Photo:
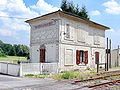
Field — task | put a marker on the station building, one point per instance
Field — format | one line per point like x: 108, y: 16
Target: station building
x: 66, y: 39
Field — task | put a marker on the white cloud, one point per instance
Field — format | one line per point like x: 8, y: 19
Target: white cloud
x: 95, y: 13
x: 6, y: 33
x: 112, y: 7
x: 44, y: 7
x: 15, y: 28
x: 2, y: 2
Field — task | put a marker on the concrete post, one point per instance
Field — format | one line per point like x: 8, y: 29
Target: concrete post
x: 20, y: 69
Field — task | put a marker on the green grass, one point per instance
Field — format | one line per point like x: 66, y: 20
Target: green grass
x: 12, y: 58
x: 72, y: 75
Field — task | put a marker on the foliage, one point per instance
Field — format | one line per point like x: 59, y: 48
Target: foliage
x: 73, y: 74
x: 13, y: 50
x: 2, y: 53
x: 68, y: 75
x: 68, y: 6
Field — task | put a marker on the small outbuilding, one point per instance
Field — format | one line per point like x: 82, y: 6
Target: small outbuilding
x: 67, y: 40
x: 115, y: 58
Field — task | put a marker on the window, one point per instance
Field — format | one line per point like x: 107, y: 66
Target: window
x: 96, y: 40
x: 81, y: 57
x: 81, y: 35
x: 67, y: 31
x: 69, y: 57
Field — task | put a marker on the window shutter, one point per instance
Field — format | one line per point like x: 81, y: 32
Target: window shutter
x: 96, y: 57
x: 77, y: 57
x: 86, y: 57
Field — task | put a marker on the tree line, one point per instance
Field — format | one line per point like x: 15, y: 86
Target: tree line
x: 13, y: 50
x: 68, y: 6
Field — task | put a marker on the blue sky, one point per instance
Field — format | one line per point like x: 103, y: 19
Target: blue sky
x: 16, y: 31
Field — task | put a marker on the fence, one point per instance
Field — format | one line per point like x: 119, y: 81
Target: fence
x: 9, y: 68
x: 38, y: 68
x: 28, y: 68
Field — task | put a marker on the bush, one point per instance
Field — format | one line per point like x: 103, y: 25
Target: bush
x: 71, y: 75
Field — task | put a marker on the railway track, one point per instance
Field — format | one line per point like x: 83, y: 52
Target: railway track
x: 104, y: 84
x: 106, y: 80
x: 96, y: 78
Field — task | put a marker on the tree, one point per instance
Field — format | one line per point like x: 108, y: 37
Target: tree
x: 71, y: 8
x: 83, y: 13
x: 2, y: 53
x: 13, y: 50
x: 1, y: 42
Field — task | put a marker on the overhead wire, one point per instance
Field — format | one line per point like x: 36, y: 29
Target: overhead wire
x: 13, y: 17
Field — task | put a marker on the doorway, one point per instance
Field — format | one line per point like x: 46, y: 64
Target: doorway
x: 42, y: 54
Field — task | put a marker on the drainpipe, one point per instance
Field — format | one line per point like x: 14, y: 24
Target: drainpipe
x: 110, y: 55
x: 107, y: 55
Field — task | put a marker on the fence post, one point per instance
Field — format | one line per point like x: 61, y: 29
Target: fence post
x: 7, y: 69
x: 41, y: 67
x: 20, y: 69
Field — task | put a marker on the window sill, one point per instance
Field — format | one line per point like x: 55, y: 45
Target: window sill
x: 81, y: 41
x: 68, y: 39
x: 68, y: 65
x: 96, y: 44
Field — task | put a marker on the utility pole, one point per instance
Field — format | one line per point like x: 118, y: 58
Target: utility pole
x: 110, y: 54
x: 107, y: 55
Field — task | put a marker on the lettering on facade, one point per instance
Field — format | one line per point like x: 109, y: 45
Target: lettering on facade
x: 44, y: 25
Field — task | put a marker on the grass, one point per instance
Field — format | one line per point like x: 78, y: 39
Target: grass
x: 44, y: 75
x: 12, y: 59
x: 72, y: 75
x: 67, y: 75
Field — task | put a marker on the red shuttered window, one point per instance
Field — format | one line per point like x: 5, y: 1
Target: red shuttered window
x: 81, y: 56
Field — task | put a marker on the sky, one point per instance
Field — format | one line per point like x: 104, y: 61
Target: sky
x: 13, y: 13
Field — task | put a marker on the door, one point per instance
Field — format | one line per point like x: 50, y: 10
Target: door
x: 42, y: 55
x: 96, y: 57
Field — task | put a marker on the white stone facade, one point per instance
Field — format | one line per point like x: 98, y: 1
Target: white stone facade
x: 62, y: 37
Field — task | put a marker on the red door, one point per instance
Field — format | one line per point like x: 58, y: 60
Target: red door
x: 96, y: 57
x: 42, y: 55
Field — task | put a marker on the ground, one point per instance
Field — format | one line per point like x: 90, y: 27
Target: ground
x: 23, y: 83
x: 17, y: 83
